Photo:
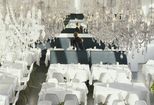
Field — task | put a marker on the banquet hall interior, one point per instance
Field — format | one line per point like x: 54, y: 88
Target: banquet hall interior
x: 42, y: 62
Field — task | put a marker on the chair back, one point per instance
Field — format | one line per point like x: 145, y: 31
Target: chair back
x: 52, y: 80
x: 140, y: 102
x: 69, y: 102
x: 58, y: 76
x: 131, y: 99
x: 44, y: 103
x: 53, y: 98
x: 110, y: 98
x: 118, y: 102
x: 72, y: 97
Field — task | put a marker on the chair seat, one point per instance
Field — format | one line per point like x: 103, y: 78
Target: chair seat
x: 140, y: 102
x: 44, y: 103
x: 70, y: 102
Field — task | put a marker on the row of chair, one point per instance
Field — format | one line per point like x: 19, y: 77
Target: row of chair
x: 52, y: 99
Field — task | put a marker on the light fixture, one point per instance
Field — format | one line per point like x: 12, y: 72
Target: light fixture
x: 23, y: 24
x: 127, y: 26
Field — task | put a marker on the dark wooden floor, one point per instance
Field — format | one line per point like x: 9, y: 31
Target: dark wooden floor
x: 29, y: 96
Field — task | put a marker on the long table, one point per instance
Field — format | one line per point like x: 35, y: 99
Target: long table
x: 115, y: 88
x: 85, y: 57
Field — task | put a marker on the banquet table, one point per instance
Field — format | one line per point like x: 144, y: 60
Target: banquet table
x: 8, y: 79
x: 16, y: 69
x: 16, y: 65
x: 48, y: 54
x: 148, y: 73
x: 14, y: 72
x: 104, y: 90
x: 4, y: 100
x: 71, y: 71
x: 113, y: 71
x: 79, y: 89
x: 44, y: 103
x: 72, y: 24
x: 7, y: 90
x: 29, y: 56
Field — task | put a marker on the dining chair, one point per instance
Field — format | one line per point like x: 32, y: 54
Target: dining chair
x: 70, y: 102
x: 44, y: 103
x: 58, y: 76
x: 72, y: 97
x: 131, y: 98
x: 53, y: 98
x: 140, y: 102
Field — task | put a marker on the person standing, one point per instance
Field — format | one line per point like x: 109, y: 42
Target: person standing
x: 77, y: 42
x: 79, y: 28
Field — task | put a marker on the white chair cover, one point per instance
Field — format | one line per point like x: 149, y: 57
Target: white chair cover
x: 150, y: 62
x: 111, y: 98
x: 72, y: 97
x: 4, y: 100
x: 70, y: 102
x: 131, y: 99
x: 44, y: 103
x: 118, y: 102
x: 122, y: 95
x: 122, y: 78
x: 52, y: 80
x: 58, y: 76
x: 100, y: 99
x: 48, y: 85
x: 53, y: 98
x: 140, y: 102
